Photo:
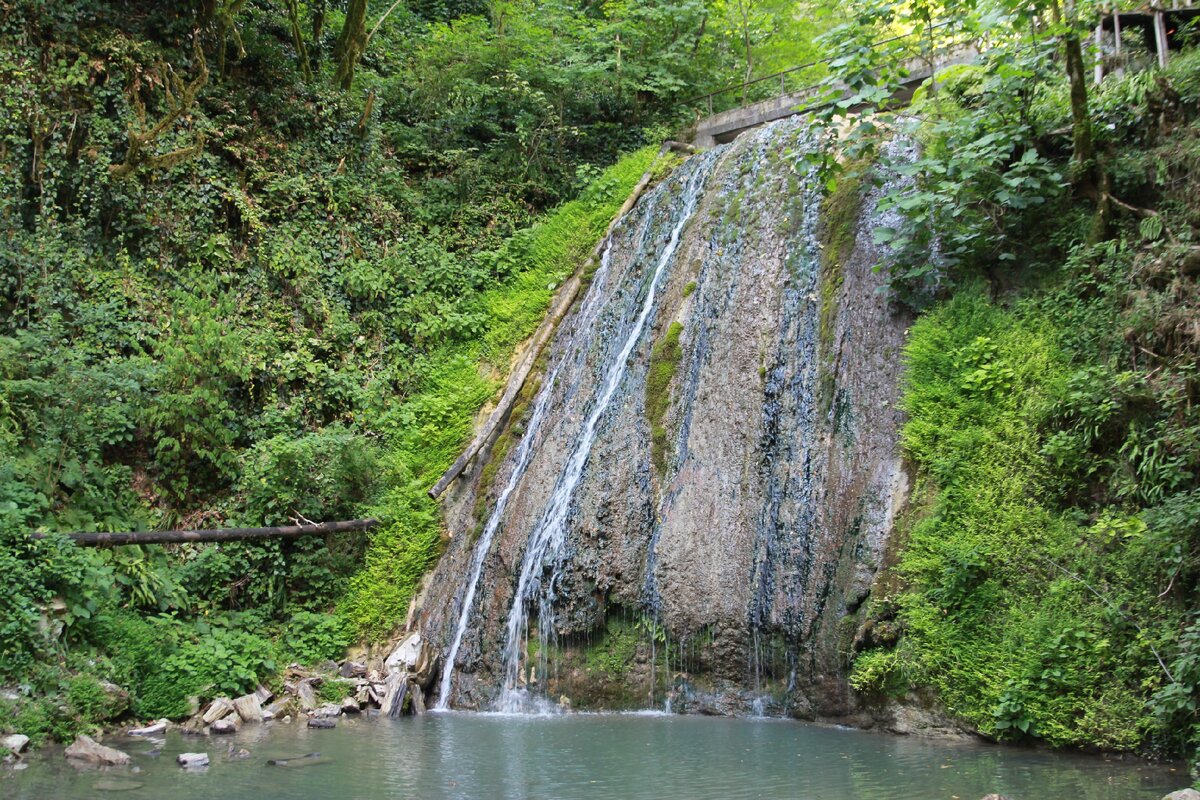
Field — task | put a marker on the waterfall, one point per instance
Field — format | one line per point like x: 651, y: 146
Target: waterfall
x: 546, y: 540
x: 524, y: 451
x: 729, y: 536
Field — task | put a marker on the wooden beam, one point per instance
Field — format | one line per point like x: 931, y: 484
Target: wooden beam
x: 218, y: 535
x: 566, y: 297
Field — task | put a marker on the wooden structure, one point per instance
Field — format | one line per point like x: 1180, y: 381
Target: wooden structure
x: 219, y: 535
x: 1159, y: 26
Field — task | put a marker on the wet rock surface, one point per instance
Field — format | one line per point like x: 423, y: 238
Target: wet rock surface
x: 85, y: 749
x: 739, y: 538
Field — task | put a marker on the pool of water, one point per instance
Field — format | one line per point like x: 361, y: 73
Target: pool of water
x: 587, y: 756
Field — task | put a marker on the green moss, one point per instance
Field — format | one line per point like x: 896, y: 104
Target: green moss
x: 687, y: 290
x: 839, y: 224
x: 615, y: 650
x: 664, y: 360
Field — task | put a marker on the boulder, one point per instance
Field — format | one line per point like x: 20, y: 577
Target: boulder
x: 15, y: 743
x: 152, y: 729
x: 396, y: 692
x: 414, y: 655
x: 1183, y: 794
x: 279, y: 708
x: 85, y: 748
x: 192, y: 759
x: 352, y: 669
x: 263, y: 694
x: 328, y: 710
x: 219, y: 708
x: 229, y: 724
x: 350, y: 706
x: 321, y: 723
x: 307, y: 694
x: 249, y: 708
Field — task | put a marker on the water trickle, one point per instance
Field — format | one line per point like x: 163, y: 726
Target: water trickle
x: 536, y: 581
x: 483, y: 546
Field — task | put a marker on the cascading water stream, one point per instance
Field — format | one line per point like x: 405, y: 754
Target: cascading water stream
x: 524, y: 451
x: 547, y: 538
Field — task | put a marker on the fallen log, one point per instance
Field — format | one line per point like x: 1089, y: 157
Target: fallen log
x: 218, y: 535
x: 566, y: 298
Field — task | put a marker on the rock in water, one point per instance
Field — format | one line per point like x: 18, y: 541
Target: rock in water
x: 1183, y: 794
x: 85, y: 748
x: 249, y: 708
x: 306, y: 760
x: 397, y: 685
x: 15, y: 743
x: 230, y: 724
x: 150, y: 730
x: 328, y: 710
x: 115, y: 785
x: 192, y: 759
x: 350, y: 706
x: 219, y: 708
x: 321, y: 723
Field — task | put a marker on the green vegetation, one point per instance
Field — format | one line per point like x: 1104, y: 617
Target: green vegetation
x: 664, y: 361
x: 1046, y: 585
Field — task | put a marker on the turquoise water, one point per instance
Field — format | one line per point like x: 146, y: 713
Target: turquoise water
x: 589, y: 756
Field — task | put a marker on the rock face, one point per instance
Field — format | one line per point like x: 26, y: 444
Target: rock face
x: 1183, y: 794
x: 702, y: 488
x: 85, y: 748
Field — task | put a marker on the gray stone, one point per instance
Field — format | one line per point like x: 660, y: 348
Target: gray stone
x: 219, y: 708
x: 85, y: 748
x: 350, y: 706
x: 352, y: 669
x: 328, y: 710
x: 321, y: 723
x: 192, y: 759
x: 15, y: 742
x: 151, y: 729
x: 230, y: 724
x: 307, y: 694
x: 1183, y: 794
x: 248, y: 708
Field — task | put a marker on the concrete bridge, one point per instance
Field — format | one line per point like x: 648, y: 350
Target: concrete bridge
x: 725, y: 126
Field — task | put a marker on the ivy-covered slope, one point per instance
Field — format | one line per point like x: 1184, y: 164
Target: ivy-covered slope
x: 1046, y: 578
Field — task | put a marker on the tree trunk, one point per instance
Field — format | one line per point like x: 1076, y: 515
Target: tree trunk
x: 350, y: 43
x: 221, y: 535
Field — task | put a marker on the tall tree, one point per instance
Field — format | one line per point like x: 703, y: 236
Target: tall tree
x: 351, y: 42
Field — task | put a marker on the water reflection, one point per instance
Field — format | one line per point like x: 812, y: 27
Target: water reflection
x: 591, y: 756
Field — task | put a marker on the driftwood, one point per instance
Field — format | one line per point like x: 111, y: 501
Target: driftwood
x: 222, y: 535
x: 566, y: 298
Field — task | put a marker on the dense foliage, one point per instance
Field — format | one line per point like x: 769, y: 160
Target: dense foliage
x: 1048, y: 578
